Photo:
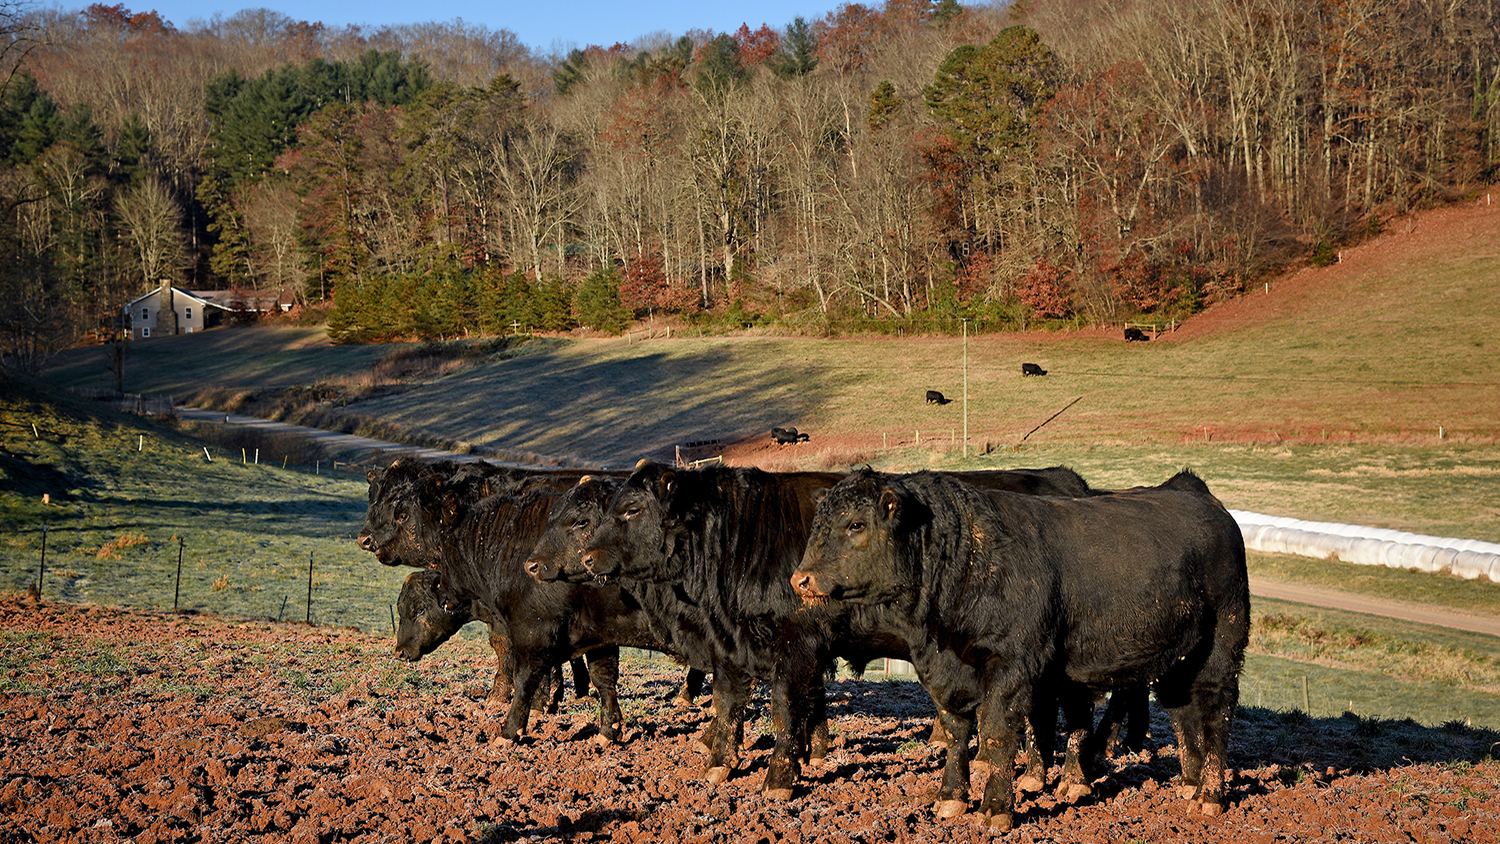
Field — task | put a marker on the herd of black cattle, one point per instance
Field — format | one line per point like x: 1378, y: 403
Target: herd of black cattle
x: 1014, y: 594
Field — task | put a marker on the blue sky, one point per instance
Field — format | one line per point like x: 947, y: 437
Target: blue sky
x: 542, y: 25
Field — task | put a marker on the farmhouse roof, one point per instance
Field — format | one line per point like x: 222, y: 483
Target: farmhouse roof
x: 231, y: 300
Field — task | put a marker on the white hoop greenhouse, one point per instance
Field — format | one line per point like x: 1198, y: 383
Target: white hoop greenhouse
x: 1466, y: 558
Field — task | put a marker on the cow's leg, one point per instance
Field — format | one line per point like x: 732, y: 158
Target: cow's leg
x: 604, y: 667
x: 818, y: 747
x: 692, y: 686
x: 1002, y: 718
x: 798, y: 712
x: 581, y: 675
x: 731, y: 696
x: 1123, y: 726
x: 1078, y: 715
x: 500, y: 689
x: 953, y: 794
x: 551, y: 691
x: 1041, y: 743
x: 531, y: 670
x: 1187, y: 723
x: 1214, y: 695
x: 1213, y: 787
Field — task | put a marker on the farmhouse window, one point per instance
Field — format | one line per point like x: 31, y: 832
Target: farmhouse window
x: 145, y: 314
x: 145, y: 332
x: 187, y: 313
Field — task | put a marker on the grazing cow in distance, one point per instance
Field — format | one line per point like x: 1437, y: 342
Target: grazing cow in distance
x: 1032, y: 369
x: 1008, y: 598
x: 1135, y: 335
x: 935, y: 397
x: 788, y: 436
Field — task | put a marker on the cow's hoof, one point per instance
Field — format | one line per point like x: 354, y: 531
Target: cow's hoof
x: 1187, y: 792
x: 701, y: 746
x: 779, y: 794
x: 717, y: 775
x: 951, y: 808
x: 1075, y: 791
x: 1211, y: 810
x: 1027, y: 782
x: 1000, y: 821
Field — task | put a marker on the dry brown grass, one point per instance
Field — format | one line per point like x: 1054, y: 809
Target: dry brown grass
x: 111, y: 549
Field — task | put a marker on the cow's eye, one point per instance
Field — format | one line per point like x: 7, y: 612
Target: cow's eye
x: 855, y: 527
x: 401, y: 516
x: 632, y: 511
x: 581, y: 524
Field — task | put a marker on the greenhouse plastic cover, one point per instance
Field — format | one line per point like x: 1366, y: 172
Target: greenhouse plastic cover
x: 1467, y: 558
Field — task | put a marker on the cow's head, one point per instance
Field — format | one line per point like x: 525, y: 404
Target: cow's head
x: 571, y: 524
x: 639, y: 529
x: 424, y: 621
x: 856, y: 550
x: 388, y: 515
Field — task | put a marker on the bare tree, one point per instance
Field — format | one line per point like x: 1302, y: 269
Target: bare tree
x: 536, y: 166
x: 151, y: 219
x: 19, y: 35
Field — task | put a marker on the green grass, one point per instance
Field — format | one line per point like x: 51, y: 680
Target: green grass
x: 1479, y: 596
x: 246, y: 532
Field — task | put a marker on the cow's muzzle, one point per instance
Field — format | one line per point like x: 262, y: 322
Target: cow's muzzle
x: 810, y: 589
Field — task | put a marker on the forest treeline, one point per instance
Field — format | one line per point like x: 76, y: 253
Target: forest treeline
x: 905, y: 165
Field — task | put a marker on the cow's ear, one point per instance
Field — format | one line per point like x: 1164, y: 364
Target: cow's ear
x: 642, y: 463
x: 585, y: 479
x: 888, y: 503
x: 820, y: 494
x: 433, y: 484
x: 450, y: 508
x: 370, y: 476
x: 666, y: 484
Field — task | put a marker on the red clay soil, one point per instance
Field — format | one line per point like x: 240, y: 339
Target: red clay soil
x: 123, y: 724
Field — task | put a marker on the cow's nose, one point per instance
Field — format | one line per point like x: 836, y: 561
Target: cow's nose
x: 534, y: 568
x: 589, y: 559
x: 367, y: 542
x: 805, y: 584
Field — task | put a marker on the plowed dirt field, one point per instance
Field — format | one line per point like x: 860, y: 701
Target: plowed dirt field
x: 124, y: 724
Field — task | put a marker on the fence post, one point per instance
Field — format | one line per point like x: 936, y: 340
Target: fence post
x: 42, y: 572
x: 309, y: 587
x: 177, y: 589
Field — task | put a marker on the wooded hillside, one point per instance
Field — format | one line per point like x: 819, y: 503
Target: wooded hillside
x: 890, y: 168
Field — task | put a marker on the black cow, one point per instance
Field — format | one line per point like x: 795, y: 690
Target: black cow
x: 1005, y: 598
x: 425, y: 623
x: 787, y: 436
x: 557, y: 555
x: 393, y: 494
x: 1135, y: 335
x: 481, y: 547
x: 1032, y: 369
x: 935, y: 397
x: 728, y: 540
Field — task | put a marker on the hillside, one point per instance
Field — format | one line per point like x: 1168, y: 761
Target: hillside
x: 1361, y: 392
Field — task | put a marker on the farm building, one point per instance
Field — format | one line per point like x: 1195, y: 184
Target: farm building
x: 169, y: 310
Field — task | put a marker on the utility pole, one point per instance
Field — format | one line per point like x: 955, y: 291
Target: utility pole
x: 966, y: 388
